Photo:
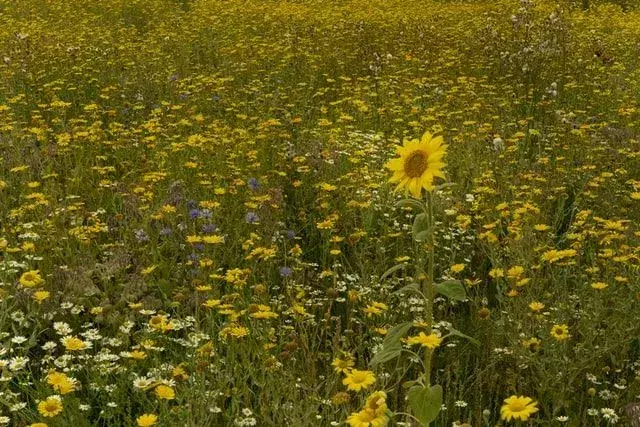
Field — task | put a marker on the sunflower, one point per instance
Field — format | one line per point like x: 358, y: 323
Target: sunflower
x: 419, y: 163
x: 518, y: 408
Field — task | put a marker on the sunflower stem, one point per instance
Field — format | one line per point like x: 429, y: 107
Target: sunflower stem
x: 428, y: 288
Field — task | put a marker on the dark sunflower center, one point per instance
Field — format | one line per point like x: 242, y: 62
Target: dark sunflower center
x: 416, y: 164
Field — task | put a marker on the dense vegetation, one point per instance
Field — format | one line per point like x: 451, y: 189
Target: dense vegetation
x: 196, y: 218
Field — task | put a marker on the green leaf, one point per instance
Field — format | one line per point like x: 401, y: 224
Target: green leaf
x: 392, y: 270
x: 456, y: 332
x: 411, y: 203
x: 423, y: 235
x: 421, y: 229
x: 386, y: 354
x: 396, y: 333
x: 425, y: 402
x: 408, y: 384
x: 453, y: 289
x: 391, y: 346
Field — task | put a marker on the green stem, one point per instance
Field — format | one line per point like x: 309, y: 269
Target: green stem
x: 428, y: 288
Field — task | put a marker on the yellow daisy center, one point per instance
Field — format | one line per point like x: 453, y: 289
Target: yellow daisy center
x: 415, y: 164
x: 359, y: 377
x: 517, y: 406
x: 52, y: 406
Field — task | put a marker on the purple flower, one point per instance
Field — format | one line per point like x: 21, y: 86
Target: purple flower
x: 251, y: 218
x: 285, y: 271
x: 166, y: 231
x: 290, y: 234
x: 253, y: 184
x: 194, y: 213
x: 191, y: 204
x: 141, y: 236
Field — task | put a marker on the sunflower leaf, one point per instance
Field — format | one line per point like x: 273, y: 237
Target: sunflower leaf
x: 391, y: 346
x: 425, y: 403
x: 421, y: 227
x: 457, y: 333
x: 412, y: 287
x: 386, y: 354
x: 452, y: 289
x: 392, y: 270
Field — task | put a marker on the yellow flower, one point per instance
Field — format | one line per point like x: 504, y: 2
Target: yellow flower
x: 375, y: 308
x: 160, y: 322
x: 419, y: 163
x: 60, y: 382
x: 213, y: 239
x: 560, y: 332
x: 457, y: 268
x: 165, y: 392
x: 555, y: 255
x: 357, y: 380
x: 430, y: 341
x: 138, y: 355
x: 518, y: 408
x: 179, y: 372
x: 496, y: 273
x: 342, y: 365
x: 147, y: 420
x: 367, y: 418
x: 235, y: 331
x: 211, y: 303
x: 73, y: 343
x: 377, y: 403
x: 515, y: 272
x: 340, y: 398
x: 148, y: 270
x: 38, y: 425
x: 536, y: 306
x: 532, y: 344
x: 40, y: 296
x: 599, y: 286
x: 31, y: 279
x: 51, y: 406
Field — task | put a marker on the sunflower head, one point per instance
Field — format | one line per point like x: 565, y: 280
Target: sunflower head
x: 420, y: 162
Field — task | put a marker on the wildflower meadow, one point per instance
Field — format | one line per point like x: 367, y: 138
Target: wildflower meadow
x: 294, y: 213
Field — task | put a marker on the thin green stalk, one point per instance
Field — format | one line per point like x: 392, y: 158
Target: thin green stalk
x: 428, y: 288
